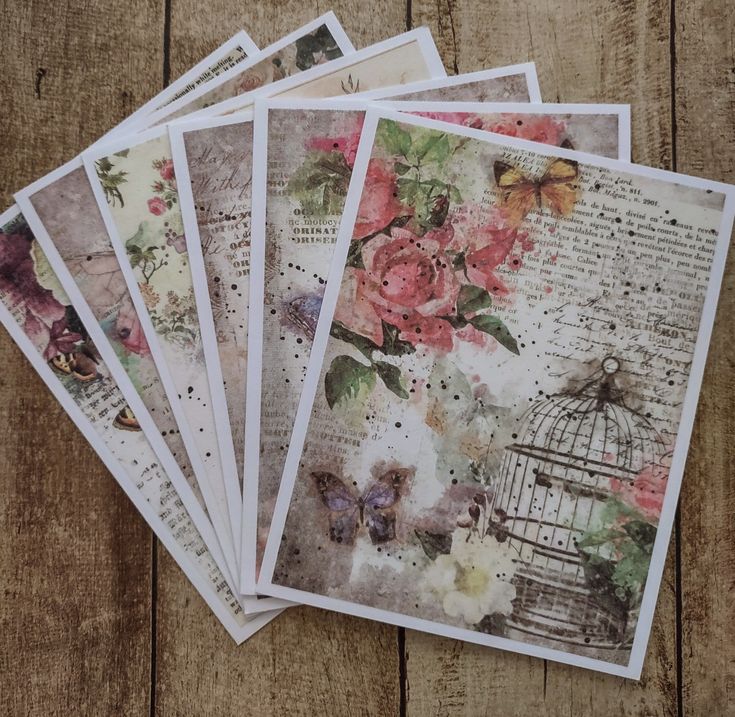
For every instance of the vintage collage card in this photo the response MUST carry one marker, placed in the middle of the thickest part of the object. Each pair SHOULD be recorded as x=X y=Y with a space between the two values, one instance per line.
x=492 y=431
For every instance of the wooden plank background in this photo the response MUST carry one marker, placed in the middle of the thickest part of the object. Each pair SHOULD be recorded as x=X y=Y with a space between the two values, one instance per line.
x=96 y=619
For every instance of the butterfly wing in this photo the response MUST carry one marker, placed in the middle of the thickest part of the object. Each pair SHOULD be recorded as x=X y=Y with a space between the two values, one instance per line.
x=342 y=506
x=517 y=192
x=560 y=185
x=380 y=497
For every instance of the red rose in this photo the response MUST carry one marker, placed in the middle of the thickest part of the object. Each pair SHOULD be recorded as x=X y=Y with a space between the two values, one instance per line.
x=408 y=282
x=167 y=170
x=379 y=204
x=157 y=206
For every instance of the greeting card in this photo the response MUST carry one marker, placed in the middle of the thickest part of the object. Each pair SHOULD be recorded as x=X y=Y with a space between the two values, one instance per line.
x=305 y=154
x=498 y=404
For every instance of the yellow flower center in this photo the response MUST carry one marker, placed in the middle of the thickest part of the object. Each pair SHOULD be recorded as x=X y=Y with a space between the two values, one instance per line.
x=471 y=581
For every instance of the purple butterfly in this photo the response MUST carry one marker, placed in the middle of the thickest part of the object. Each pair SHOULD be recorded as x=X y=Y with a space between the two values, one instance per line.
x=304 y=313
x=347 y=511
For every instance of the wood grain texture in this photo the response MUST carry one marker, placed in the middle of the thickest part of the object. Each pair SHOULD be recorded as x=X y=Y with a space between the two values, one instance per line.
x=705 y=146
x=620 y=53
x=306 y=662
x=75 y=558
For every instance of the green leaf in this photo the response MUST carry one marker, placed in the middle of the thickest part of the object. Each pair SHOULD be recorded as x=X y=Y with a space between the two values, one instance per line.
x=395 y=139
x=345 y=378
x=363 y=345
x=472 y=299
x=600 y=537
x=432 y=147
x=407 y=190
x=391 y=376
x=320 y=183
x=497 y=329
x=103 y=165
x=642 y=533
x=454 y=194
x=400 y=168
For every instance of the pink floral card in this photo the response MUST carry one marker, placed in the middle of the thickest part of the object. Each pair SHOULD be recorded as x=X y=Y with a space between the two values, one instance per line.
x=497 y=408
x=306 y=151
x=62 y=348
x=213 y=162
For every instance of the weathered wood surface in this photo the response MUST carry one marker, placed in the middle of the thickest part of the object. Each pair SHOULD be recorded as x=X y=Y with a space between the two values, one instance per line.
x=92 y=623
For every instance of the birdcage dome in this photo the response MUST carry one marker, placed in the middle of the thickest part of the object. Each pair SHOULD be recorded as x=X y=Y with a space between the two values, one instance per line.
x=590 y=431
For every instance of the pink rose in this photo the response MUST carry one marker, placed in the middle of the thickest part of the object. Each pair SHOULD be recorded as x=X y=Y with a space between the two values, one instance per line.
x=407 y=282
x=167 y=170
x=130 y=331
x=646 y=492
x=249 y=82
x=157 y=206
x=379 y=204
x=489 y=249
x=487 y=240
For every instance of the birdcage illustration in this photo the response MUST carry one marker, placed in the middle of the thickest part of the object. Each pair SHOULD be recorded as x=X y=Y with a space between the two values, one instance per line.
x=554 y=481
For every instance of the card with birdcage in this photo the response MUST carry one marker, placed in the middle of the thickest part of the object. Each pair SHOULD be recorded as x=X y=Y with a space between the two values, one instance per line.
x=495 y=416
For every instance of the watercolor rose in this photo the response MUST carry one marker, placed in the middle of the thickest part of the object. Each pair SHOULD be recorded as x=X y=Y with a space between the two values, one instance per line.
x=166 y=170
x=645 y=493
x=345 y=145
x=407 y=282
x=157 y=206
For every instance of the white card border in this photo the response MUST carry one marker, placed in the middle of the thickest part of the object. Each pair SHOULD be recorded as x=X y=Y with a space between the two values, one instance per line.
x=643 y=628
x=201 y=585
x=329 y=19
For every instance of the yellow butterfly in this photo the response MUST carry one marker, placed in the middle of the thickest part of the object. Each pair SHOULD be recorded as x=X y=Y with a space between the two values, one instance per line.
x=557 y=188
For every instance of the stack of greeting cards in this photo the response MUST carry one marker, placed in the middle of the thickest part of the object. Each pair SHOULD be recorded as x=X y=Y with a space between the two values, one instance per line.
x=355 y=334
